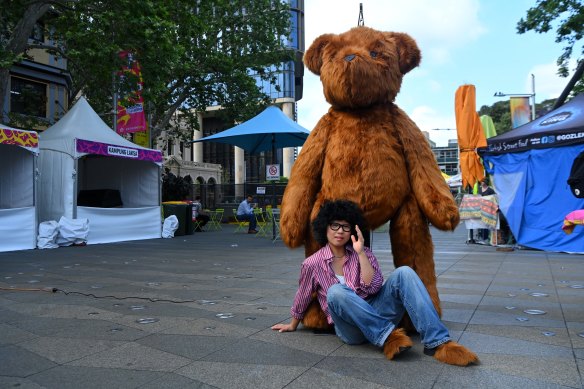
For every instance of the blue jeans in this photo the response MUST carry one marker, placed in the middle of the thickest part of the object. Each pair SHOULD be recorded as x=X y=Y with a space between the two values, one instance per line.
x=358 y=320
x=252 y=220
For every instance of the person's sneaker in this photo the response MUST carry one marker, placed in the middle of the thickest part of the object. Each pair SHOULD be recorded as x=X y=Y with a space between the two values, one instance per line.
x=252 y=232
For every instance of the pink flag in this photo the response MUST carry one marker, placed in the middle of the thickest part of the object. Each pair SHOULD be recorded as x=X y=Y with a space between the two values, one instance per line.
x=130 y=117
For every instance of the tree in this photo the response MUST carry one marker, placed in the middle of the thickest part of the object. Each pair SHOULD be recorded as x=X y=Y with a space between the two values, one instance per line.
x=570 y=29
x=193 y=54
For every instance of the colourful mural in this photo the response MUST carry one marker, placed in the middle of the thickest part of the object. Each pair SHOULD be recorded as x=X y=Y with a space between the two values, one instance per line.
x=27 y=139
x=90 y=147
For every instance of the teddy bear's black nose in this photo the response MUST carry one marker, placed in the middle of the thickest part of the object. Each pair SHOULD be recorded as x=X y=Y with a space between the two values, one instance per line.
x=349 y=57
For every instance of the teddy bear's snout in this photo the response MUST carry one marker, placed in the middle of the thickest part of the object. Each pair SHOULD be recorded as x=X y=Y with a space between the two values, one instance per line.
x=349 y=57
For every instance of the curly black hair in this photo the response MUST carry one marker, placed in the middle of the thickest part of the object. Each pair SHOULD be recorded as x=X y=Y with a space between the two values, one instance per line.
x=337 y=210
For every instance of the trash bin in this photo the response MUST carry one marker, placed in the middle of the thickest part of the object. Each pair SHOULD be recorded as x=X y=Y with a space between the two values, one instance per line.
x=180 y=211
x=189 y=223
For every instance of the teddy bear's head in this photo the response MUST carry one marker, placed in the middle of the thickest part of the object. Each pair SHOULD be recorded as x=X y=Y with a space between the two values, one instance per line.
x=363 y=66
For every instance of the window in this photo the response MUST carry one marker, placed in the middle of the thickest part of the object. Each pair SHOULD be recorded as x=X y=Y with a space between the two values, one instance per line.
x=38 y=32
x=28 y=97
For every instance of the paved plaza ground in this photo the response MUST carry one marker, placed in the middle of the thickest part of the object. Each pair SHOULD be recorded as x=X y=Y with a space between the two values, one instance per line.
x=219 y=292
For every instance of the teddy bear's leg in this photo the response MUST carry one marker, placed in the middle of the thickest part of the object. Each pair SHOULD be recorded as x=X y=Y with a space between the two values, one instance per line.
x=411 y=245
x=314 y=317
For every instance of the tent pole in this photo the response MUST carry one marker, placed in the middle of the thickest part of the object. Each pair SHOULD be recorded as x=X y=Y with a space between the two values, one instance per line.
x=274 y=202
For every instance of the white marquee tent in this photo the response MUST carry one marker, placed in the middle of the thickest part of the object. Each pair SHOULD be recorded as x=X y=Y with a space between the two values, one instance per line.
x=81 y=154
x=18 y=219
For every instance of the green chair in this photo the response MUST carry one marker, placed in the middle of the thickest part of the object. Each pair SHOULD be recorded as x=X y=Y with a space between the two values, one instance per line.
x=241 y=224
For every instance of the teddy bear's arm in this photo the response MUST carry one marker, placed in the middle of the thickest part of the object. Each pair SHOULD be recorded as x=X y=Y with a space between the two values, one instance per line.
x=428 y=185
x=303 y=186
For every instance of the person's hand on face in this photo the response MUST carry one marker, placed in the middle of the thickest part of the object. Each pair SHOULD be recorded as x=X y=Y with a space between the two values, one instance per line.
x=358 y=241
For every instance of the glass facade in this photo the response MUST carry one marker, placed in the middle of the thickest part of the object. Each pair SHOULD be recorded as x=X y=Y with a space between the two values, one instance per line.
x=289 y=74
x=288 y=78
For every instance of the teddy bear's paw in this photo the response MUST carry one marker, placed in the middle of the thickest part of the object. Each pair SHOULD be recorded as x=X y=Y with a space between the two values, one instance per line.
x=397 y=342
x=447 y=220
x=453 y=353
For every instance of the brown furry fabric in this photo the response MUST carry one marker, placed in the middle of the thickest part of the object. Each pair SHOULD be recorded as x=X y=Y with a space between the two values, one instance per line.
x=396 y=343
x=455 y=354
x=367 y=150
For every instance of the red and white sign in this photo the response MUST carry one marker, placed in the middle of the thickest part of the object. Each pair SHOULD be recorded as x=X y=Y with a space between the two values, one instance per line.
x=272 y=172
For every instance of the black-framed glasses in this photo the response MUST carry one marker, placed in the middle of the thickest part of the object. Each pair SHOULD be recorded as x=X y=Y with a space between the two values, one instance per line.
x=336 y=226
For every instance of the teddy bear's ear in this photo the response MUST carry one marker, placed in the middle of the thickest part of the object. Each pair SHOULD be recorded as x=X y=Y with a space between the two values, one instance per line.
x=407 y=50
x=313 y=56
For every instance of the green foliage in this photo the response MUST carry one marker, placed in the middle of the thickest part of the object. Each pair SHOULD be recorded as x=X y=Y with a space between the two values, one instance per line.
x=193 y=54
x=175 y=188
x=569 y=29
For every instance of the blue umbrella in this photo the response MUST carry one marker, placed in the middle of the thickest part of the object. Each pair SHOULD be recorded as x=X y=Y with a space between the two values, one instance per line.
x=270 y=130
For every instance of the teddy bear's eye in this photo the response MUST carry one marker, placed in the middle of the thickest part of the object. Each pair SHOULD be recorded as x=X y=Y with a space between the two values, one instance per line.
x=373 y=54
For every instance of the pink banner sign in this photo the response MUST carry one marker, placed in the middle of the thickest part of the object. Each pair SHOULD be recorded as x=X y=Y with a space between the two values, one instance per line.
x=90 y=147
x=131 y=117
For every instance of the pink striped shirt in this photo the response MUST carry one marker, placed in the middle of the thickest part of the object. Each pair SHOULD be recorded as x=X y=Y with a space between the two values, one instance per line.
x=317 y=275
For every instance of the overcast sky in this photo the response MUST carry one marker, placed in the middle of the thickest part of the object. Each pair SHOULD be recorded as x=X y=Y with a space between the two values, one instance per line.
x=462 y=42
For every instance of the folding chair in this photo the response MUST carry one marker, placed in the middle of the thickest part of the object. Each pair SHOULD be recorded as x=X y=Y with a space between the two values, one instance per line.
x=261 y=222
x=216 y=217
x=276 y=221
x=241 y=224
x=197 y=225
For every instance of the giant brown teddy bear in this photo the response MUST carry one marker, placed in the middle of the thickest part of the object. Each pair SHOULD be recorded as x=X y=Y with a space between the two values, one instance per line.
x=367 y=150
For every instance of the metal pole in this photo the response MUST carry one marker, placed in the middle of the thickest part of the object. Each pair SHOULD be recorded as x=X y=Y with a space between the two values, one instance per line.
x=115 y=110
x=533 y=97
x=274 y=202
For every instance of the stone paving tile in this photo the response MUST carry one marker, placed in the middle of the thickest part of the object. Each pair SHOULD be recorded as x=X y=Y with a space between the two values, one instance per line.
x=490 y=344
x=302 y=340
x=20 y=383
x=75 y=377
x=18 y=362
x=241 y=375
x=133 y=356
x=532 y=334
x=191 y=347
x=175 y=381
x=63 y=350
x=322 y=379
x=548 y=370
x=209 y=327
x=486 y=379
x=262 y=353
x=239 y=352
x=12 y=335
x=408 y=372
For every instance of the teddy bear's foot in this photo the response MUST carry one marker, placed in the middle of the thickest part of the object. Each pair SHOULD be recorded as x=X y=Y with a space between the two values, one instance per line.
x=397 y=342
x=453 y=353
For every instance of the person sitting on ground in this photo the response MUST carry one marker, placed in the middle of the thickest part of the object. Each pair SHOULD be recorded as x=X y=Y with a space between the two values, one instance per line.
x=346 y=279
x=199 y=215
x=245 y=212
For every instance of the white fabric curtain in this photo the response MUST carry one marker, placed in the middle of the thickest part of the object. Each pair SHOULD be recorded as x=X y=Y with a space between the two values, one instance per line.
x=16 y=177
x=17 y=229
x=121 y=224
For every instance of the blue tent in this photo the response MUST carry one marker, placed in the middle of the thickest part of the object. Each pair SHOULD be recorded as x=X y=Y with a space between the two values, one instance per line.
x=270 y=130
x=530 y=166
